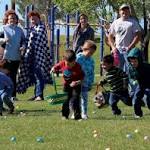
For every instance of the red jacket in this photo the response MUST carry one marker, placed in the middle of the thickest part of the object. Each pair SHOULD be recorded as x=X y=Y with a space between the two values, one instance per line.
x=70 y=74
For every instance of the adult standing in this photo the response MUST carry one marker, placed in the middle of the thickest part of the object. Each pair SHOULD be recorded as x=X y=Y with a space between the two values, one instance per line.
x=82 y=33
x=14 y=40
x=36 y=63
x=124 y=34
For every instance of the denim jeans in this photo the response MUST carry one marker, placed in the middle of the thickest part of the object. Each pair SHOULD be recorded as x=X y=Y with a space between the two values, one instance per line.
x=137 y=99
x=132 y=86
x=39 y=83
x=5 y=96
x=115 y=97
x=124 y=64
x=84 y=100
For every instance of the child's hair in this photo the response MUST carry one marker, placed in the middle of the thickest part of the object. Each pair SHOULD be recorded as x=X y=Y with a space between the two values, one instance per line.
x=83 y=15
x=69 y=55
x=108 y=59
x=91 y=44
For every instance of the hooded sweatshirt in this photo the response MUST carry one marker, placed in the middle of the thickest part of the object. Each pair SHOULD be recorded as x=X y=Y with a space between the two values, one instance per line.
x=142 y=72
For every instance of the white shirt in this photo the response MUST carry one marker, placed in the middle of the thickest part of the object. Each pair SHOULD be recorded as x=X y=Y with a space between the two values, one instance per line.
x=124 y=31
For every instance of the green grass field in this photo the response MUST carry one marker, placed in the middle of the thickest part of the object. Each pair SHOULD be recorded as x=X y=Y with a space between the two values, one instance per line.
x=39 y=119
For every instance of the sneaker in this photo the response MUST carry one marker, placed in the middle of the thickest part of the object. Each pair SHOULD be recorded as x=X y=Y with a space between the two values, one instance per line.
x=79 y=120
x=38 y=99
x=84 y=117
x=72 y=116
x=1 y=114
x=137 y=116
x=14 y=99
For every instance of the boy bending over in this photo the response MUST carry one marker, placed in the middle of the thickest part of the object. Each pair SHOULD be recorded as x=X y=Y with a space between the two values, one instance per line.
x=73 y=76
x=117 y=81
x=139 y=72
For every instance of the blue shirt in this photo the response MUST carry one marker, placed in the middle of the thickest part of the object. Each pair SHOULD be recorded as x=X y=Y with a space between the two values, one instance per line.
x=16 y=39
x=87 y=65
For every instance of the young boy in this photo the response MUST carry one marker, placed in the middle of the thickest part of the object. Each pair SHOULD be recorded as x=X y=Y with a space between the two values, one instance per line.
x=117 y=81
x=139 y=72
x=6 y=87
x=73 y=76
x=87 y=64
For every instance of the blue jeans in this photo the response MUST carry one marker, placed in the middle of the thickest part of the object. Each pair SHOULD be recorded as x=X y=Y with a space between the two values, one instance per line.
x=137 y=99
x=147 y=93
x=124 y=64
x=115 y=97
x=84 y=100
x=39 y=83
x=5 y=96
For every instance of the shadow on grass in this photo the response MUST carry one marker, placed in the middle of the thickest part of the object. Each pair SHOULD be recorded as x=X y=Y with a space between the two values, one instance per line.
x=37 y=112
x=122 y=117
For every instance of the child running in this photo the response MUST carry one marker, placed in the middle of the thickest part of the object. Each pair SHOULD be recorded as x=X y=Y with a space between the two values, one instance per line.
x=6 y=87
x=87 y=64
x=117 y=81
x=73 y=76
x=139 y=72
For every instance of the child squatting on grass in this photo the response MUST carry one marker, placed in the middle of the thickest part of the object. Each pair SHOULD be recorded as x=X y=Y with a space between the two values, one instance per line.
x=72 y=76
x=87 y=64
x=117 y=80
x=139 y=72
x=6 y=86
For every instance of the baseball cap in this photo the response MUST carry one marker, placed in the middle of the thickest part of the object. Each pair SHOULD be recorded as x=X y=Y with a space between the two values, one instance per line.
x=124 y=6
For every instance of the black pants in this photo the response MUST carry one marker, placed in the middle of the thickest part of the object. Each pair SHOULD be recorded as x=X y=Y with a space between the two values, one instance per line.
x=12 y=66
x=73 y=96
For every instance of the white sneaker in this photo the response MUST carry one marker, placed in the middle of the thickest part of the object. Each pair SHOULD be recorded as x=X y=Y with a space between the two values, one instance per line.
x=137 y=117
x=72 y=116
x=84 y=117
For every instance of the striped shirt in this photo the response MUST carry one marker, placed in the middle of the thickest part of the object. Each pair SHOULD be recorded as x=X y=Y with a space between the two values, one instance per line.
x=116 y=79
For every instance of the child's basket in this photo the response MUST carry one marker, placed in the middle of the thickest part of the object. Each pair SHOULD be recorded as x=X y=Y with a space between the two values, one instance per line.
x=101 y=97
x=57 y=98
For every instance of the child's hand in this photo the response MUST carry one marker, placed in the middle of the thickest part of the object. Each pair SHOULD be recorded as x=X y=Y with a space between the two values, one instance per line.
x=6 y=40
x=52 y=70
x=22 y=48
x=75 y=83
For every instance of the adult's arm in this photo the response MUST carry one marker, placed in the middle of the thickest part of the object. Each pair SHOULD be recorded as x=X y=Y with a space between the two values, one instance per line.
x=135 y=40
x=111 y=41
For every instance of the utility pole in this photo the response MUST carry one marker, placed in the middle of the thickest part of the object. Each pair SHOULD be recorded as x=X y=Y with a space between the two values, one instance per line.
x=13 y=4
x=145 y=30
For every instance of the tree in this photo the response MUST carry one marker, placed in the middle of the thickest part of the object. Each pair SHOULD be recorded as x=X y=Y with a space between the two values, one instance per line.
x=93 y=8
x=41 y=7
